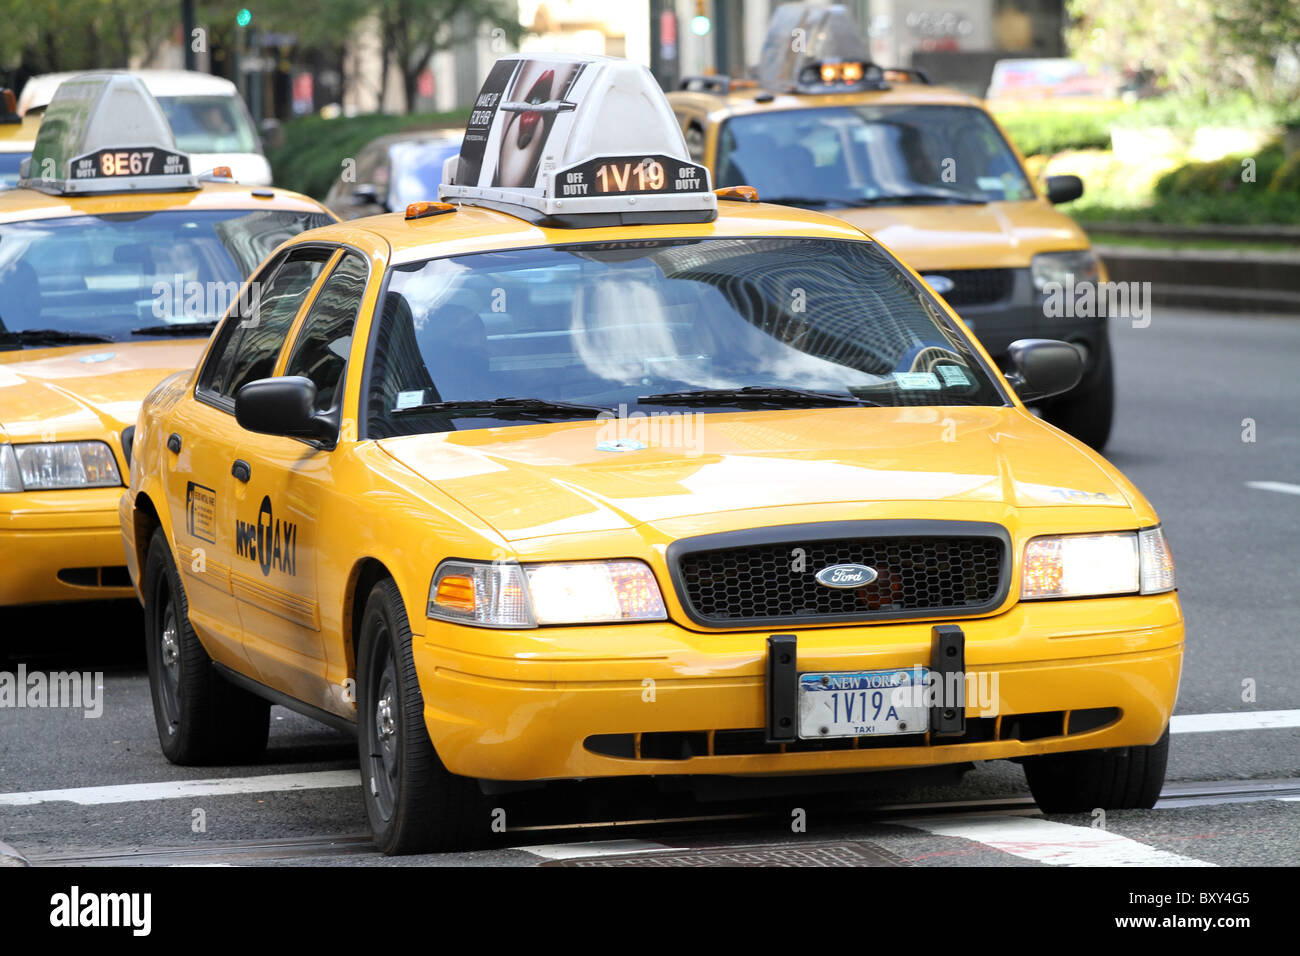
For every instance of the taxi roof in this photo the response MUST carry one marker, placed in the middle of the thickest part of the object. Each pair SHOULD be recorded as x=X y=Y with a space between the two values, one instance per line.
x=753 y=100
x=473 y=229
x=17 y=205
x=19 y=137
x=39 y=90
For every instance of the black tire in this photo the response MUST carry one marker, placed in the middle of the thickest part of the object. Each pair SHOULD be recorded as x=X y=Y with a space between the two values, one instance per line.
x=1122 y=778
x=1086 y=411
x=414 y=803
x=202 y=718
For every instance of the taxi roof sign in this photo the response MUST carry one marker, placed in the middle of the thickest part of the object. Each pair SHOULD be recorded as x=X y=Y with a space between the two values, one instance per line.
x=106 y=133
x=578 y=141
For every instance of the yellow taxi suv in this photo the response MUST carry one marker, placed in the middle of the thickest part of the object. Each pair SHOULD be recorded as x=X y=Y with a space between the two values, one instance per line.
x=17 y=138
x=924 y=169
x=585 y=470
x=116 y=260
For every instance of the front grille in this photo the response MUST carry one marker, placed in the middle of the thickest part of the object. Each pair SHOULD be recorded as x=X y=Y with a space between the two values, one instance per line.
x=978 y=286
x=774 y=582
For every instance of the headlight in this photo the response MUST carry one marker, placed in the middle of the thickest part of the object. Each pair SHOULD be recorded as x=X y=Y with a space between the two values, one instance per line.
x=516 y=596
x=53 y=465
x=1095 y=565
x=1064 y=268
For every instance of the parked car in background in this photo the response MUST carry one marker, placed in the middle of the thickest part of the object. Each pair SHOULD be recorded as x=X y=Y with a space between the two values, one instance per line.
x=17 y=136
x=206 y=114
x=392 y=172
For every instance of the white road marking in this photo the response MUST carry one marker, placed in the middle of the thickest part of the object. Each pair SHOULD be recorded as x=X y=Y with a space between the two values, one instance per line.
x=1046 y=841
x=569 y=851
x=1237 y=720
x=1282 y=486
x=175 y=789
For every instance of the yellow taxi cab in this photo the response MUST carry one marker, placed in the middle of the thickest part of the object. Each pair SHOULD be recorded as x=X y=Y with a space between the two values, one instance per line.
x=115 y=261
x=924 y=169
x=17 y=137
x=588 y=471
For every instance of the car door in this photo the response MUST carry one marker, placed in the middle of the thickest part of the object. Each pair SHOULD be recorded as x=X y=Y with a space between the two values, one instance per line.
x=279 y=599
x=247 y=347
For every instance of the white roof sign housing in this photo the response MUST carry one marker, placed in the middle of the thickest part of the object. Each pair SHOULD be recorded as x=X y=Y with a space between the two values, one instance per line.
x=106 y=133
x=579 y=141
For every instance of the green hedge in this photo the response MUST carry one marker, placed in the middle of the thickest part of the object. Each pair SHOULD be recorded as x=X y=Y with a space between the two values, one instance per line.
x=1041 y=132
x=314 y=148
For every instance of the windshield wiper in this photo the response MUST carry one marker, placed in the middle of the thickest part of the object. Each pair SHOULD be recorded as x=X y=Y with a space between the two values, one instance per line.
x=506 y=408
x=43 y=336
x=178 y=328
x=935 y=197
x=755 y=395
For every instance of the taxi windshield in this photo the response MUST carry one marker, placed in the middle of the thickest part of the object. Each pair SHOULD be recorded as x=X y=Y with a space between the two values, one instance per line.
x=209 y=124
x=846 y=156
x=105 y=276
x=682 y=323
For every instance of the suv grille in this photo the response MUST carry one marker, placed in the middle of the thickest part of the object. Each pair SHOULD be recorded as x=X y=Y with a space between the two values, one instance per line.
x=918 y=575
x=977 y=286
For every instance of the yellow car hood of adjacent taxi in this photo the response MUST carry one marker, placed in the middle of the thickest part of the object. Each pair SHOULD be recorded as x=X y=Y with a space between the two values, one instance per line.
x=996 y=235
x=80 y=392
x=537 y=480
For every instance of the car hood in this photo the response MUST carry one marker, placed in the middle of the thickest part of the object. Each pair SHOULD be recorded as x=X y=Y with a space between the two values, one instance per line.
x=83 y=391
x=996 y=235
x=540 y=480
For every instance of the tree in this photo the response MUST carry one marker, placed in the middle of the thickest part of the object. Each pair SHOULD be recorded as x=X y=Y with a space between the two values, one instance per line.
x=414 y=30
x=1202 y=48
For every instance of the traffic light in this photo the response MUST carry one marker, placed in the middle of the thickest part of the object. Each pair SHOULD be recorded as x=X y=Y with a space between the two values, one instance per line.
x=244 y=17
x=700 y=23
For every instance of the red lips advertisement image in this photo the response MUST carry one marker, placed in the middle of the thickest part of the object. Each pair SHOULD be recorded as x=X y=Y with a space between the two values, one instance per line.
x=514 y=114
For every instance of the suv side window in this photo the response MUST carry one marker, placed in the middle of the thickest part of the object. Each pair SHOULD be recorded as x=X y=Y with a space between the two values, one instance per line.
x=251 y=342
x=320 y=352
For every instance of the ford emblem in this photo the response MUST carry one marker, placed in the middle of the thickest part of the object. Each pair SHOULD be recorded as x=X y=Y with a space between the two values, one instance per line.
x=846 y=576
x=940 y=284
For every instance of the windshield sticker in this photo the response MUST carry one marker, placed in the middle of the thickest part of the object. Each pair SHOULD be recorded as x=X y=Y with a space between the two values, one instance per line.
x=925 y=380
x=410 y=399
x=989 y=183
x=954 y=376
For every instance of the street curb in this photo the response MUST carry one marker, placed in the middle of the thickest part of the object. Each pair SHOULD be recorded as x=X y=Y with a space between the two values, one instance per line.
x=11 y=857
x=1158 y=230
x=1235 y=282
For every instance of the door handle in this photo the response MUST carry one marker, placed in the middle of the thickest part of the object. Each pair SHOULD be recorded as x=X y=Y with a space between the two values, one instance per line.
x=174 y=443
x=241 y=470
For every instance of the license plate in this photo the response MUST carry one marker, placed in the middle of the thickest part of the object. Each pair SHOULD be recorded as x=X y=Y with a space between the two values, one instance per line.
x=862 y=703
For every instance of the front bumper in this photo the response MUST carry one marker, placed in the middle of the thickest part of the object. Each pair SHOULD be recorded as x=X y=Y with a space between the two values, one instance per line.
x=61 y=546
x=530 y=717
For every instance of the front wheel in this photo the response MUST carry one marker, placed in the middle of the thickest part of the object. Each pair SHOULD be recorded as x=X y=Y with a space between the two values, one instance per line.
x=1121 y=778
x=414 y=803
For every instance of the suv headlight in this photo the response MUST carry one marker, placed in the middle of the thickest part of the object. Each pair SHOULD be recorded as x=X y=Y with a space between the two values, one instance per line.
x=1064 y=268
x=505 y=594
x=48 y=466
x=1095 y=565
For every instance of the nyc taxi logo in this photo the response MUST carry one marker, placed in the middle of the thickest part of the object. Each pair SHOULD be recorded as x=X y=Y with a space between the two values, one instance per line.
x=272 y=543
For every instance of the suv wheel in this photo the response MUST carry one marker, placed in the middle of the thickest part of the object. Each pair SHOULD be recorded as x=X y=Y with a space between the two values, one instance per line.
x=1086 y=411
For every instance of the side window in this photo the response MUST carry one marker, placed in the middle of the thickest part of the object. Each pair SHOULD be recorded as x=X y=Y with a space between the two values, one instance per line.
x=695 y=141
x=320 y=352
x=251 y=344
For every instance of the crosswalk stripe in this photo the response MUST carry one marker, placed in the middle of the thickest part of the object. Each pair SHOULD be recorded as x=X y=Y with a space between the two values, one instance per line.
x=569 y=851
x=1046 y=841
x=1235 y=720
x=175 y=789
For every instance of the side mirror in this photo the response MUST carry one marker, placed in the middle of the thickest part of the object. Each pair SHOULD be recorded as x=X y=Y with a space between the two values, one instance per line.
x=1063 y=189
x=1041 y=368
x=365 y=194
x=283 y=406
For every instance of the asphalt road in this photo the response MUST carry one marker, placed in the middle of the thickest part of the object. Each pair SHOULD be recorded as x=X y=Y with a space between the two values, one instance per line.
x=1191 y=387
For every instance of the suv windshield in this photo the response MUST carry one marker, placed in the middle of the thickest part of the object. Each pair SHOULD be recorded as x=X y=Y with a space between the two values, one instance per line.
x=106 y=275
x=797 y=322
x=209 y=124
x=842 y=156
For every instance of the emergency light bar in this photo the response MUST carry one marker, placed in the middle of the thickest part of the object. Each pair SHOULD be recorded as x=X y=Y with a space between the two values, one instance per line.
x=105 y=133
x=577 y=141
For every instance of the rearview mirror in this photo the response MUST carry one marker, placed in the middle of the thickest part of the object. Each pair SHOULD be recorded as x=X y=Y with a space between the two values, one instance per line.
x=1063 y=189
x=1041 y=368
x=283 y=406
